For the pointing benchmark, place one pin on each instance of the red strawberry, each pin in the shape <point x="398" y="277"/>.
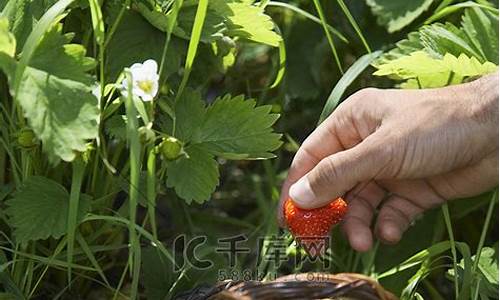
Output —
<point x="311" y="227"/>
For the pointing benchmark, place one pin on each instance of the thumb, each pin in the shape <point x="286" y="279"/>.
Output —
<point x="336" y="174"/>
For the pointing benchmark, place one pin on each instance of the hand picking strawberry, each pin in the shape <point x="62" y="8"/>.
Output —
<point x="311" y="227"/>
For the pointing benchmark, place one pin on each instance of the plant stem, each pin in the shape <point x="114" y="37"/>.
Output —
<point x="151" y="190"/>
<point x="74" y="199"/>
<point x="480" y="245"/>
<point x="135" y="169"/>
<point x="447" y="220"/>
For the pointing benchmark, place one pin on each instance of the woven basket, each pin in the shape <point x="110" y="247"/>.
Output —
<point x="345" y="286"/>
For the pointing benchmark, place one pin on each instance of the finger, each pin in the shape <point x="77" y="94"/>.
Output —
<point x="363" y="201"/>
<point x="335" y="134"/>
<point x="395" y="217"/>
<point x="335" y="175"/>
<point x="308" y="156"/>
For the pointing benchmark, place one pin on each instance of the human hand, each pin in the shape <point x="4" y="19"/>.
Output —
<point x="399" y="151"/>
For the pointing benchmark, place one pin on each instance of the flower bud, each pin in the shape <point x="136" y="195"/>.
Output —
<point x="146" y="134"/>
<point x="170" y="148"/>
<point x="26" y="138"/>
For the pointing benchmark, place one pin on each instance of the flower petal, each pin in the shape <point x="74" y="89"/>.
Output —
<point x="150" y="66"/>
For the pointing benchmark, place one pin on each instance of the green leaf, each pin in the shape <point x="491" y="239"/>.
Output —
<point x="55" y="95"/>
<point x="439" y="39"/>
<point x="350" y="75"/>
<point x="136" y="40"/>
<point x="395" y="15"/>
<point x="189" y="112"/>
<point x="233" y="18"/>
<point x="195" y="176"/>
<point x="232" y="128"/>
<point x="7" y="39"/>
<point x="54" y="55"/>
<point x="213" y="25"/>
<point x="420" y="70"/>
<point x="488" y="264"/>
<point x="481" y="28"/>
<point x="116" y="127"/>
<point x="62" y="113"/>
<point x="236" y="126"/>
<point x="39" y="209"/>
<point x="477" y="37"/>
<point x="247" y="21"/>
<point x="157" y="272"/>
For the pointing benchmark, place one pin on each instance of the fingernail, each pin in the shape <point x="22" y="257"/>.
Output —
<point x="301" y="192"/>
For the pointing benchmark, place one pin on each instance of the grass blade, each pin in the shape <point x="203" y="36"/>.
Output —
<point x="319" y="9"/>
<point x="32" y="41"/>
<point x="354" y="24"/>
<point x="486" y="225"/>
<point x="282" y="63"/>
<point x="199" y="20"/>
<point x="74" y="199"/>
<point x="309" y="16"/>
<point x="86" y="249"/>
<point x="170" y="27"/>
<point x="446" y="10"/>
<point x="447" y="220"/>
<point x="97" y="21"/>
<point x="350" y="75"/>
<point x="139" y="229"/>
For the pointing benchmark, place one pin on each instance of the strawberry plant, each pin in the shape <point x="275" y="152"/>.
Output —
<point x="135" y="131"/>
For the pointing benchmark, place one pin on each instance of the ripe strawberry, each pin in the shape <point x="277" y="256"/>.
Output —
<point x="311" y="228"/>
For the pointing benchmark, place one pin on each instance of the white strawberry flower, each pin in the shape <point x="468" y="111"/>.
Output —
<point x="144" y="80"/>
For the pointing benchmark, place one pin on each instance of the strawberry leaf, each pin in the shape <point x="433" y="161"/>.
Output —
<point x="395" y="15"/>
<point x="55" y="94"/>
<point x="39" y="209"/>
<point x="194" y="176"/>
<point x="420" y="70"/>
<point x="231" y="127"/>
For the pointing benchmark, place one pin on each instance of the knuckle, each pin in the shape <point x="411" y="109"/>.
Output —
<point x="325" y="173"/>
<point x="367" y="94"/>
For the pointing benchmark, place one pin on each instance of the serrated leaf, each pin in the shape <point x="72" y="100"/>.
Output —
<point x="247" y="21"/>
<point x="423" y="71"/>
<point x="478" y="37"/>
<point x="116" y="127"/>
<point x="235" y="125"/>
<point x="54" y="55"/>
<point x="62" y="113"/>
<point x="39" y="209"/>
<point x="7" y="39"/>
<point x="189" y="112"/>
<point x="23" y="15"/>
<point x="233" y="18"/>
<point x="481" y="28"/>
<point x="395" y="15"/>
<point x="195" y="176"/>
<point x="55" y="95"/>
<point x="439" y="39"/>
<point x="232" y="128"/>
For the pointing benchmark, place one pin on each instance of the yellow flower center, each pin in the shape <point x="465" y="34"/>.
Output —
<point x="146" y="86"/>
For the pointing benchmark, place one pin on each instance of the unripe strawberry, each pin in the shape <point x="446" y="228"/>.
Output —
<point x="26" y="138"/>
<point x="170" y="148"/>
<point x="311" y="227"/>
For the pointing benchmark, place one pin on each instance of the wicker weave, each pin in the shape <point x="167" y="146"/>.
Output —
<point x="299" y="286"/>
